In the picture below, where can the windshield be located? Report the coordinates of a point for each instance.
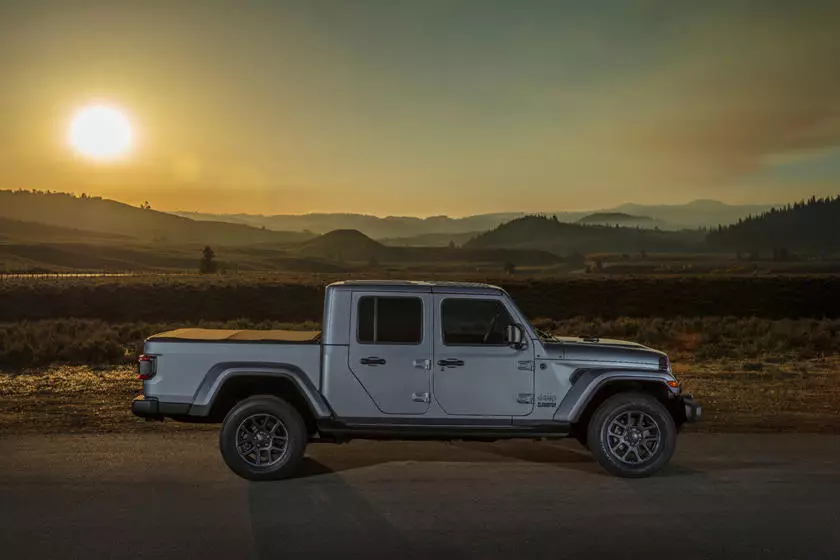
(544, 335)
(541, 334)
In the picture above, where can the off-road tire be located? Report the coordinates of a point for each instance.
(296, 438)
(613, 408)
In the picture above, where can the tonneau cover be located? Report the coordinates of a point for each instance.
(232, 335)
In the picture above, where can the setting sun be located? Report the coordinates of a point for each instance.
(100, 132)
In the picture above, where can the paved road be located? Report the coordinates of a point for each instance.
(170, 496)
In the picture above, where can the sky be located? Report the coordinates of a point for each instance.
(426, 107)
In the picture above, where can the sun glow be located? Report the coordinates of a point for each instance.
(100, 132)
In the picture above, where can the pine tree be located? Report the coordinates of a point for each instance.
(208, 262)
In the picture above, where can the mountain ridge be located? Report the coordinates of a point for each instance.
(111, 217)
(695, 214)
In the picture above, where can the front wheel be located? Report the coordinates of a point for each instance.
(263, 438)
(632, 435)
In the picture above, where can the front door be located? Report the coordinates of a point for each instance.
(391, 350)
(475, 371)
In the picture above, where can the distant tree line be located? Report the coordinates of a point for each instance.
(811, 226)
(83, 196)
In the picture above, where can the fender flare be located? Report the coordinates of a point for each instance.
(218, 375)
(586, 384)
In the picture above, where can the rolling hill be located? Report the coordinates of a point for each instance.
(144, 225)
(548, 234)
(343, 245)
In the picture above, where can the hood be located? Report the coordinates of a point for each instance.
(605, 350)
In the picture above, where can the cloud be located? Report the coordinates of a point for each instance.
(734, 93)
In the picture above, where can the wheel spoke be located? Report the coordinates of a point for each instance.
(261, 440)
(632, 437)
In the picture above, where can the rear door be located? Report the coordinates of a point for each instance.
(475, 371)
(391, 349)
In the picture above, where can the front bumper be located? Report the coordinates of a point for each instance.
(693, 410)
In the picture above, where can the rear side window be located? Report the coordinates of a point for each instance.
(468, 322)
(390, 320)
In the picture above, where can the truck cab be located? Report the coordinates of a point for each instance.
(415, 360)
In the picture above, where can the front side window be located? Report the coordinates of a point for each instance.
(474, 321)
(390, 320)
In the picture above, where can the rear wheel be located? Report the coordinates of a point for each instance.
(632, 435)
(263, 438)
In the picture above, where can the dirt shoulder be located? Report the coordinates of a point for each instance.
(769, 396)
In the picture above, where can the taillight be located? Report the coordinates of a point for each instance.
(145, 367)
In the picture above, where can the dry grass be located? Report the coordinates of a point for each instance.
(802, 396)
(72, 399)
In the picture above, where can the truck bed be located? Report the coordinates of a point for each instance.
(192, 363)
(233, 335)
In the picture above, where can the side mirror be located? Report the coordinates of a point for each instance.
(514, 335)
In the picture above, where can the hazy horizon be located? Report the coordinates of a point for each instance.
(547, 211)
(426, 108)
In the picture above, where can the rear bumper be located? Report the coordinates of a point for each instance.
(146, 407)
(151, 408)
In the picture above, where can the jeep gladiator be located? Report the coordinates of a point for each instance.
(414, 360)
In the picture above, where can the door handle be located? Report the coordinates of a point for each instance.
(372, 361)
(451, 362)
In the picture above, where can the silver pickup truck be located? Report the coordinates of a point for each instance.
(414, 360)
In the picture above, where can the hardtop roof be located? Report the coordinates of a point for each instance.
(420, 286)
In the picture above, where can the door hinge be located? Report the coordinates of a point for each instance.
(526, 365)
(423, 364)
(420, 397)
(525, 398)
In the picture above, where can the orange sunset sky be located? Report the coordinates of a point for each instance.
(421, 108)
